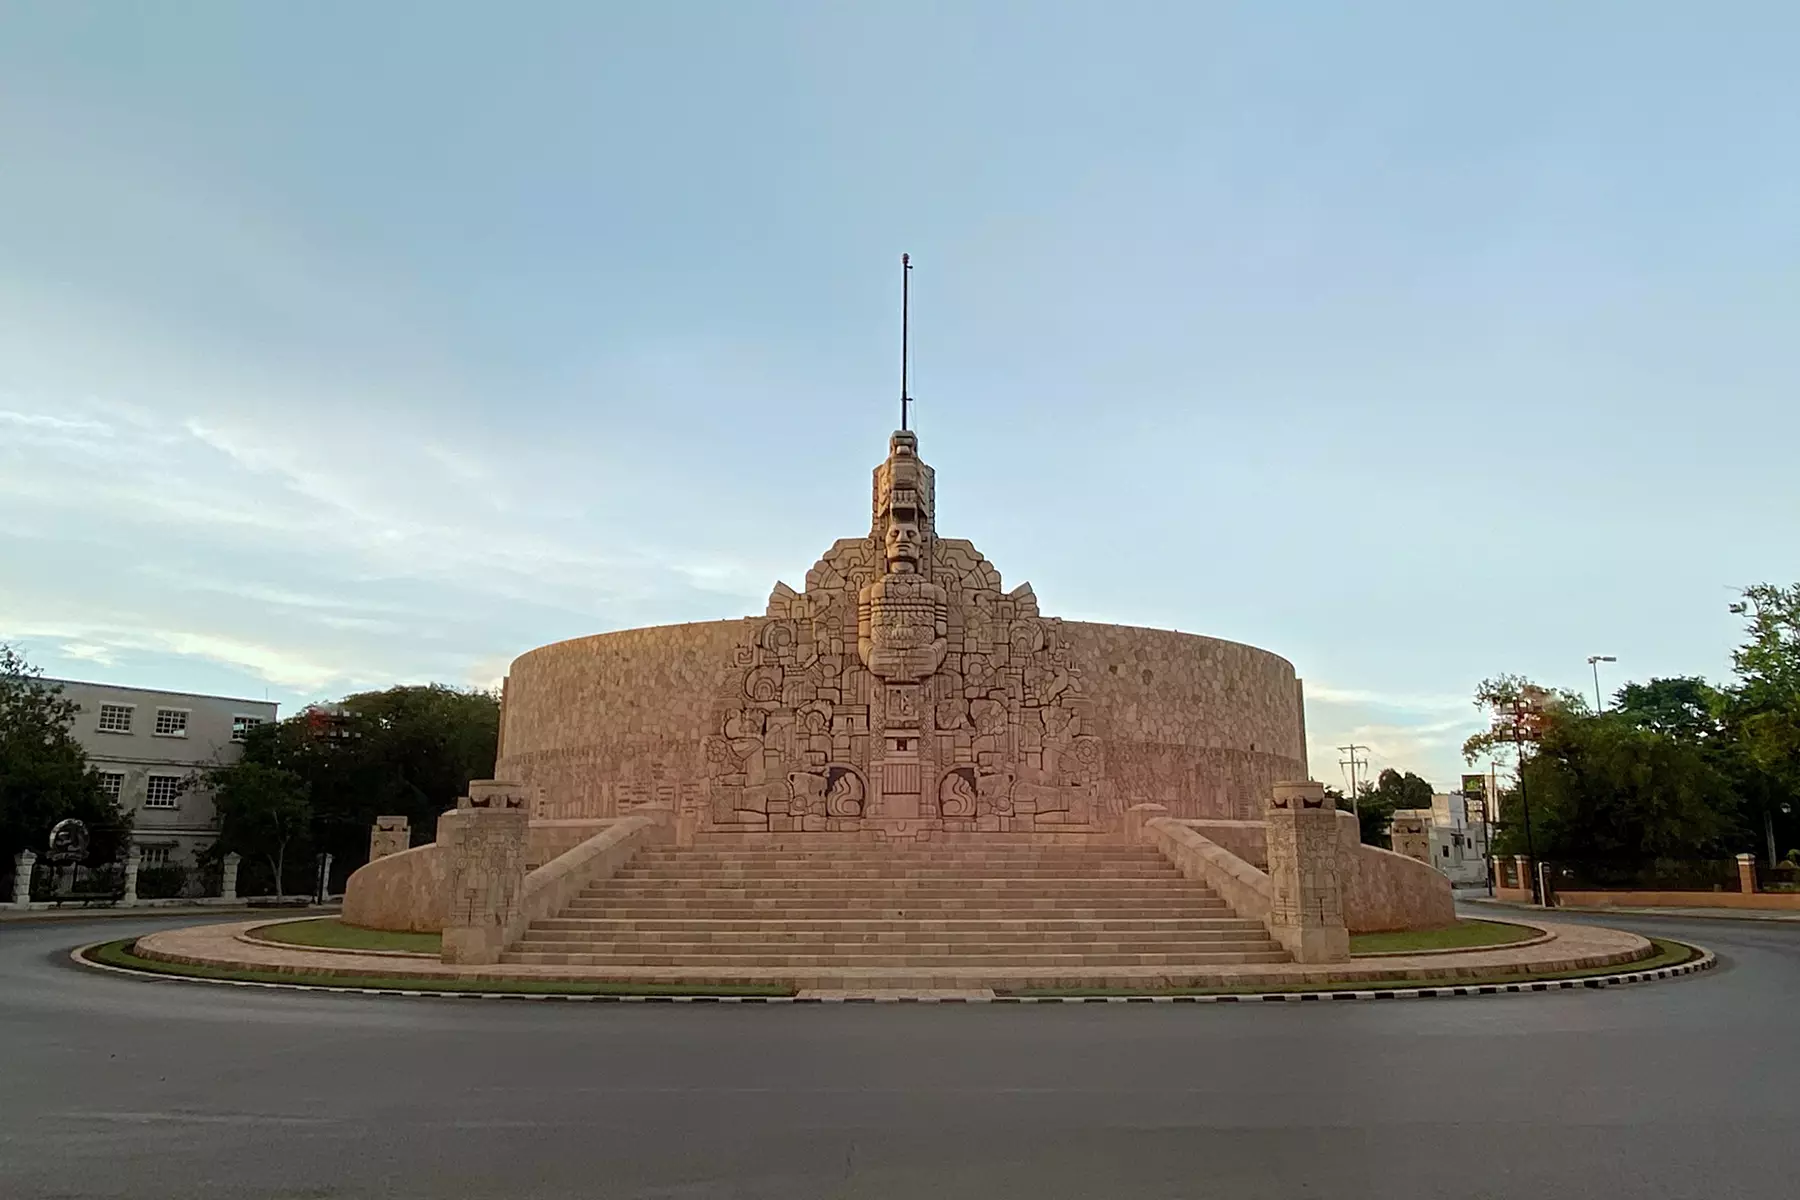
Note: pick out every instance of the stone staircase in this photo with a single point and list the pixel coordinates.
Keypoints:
(990, 912)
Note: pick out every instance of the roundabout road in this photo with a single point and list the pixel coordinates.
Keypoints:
(111, 1086)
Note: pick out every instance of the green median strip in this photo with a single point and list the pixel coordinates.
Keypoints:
(1464, 935)
(332, 933)
(1668, 954)
(121, 954)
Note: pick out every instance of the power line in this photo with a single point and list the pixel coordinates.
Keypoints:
(1352, 762)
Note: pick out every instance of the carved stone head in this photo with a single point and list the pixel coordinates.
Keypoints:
(902, 509)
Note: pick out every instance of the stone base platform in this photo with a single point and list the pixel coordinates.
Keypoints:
(1570, 948)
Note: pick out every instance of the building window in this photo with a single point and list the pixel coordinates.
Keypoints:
(162, 791)
(171, 722)
(112, 783)
(240, 726)
(153, 856)
(114, 718)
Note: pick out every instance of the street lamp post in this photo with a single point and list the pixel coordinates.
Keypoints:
(1594, 661)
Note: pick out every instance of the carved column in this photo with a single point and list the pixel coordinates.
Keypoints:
(134, 858)
(1306, 913)
(22, 866)
(389, 835)
(483, 842)
(228, 883)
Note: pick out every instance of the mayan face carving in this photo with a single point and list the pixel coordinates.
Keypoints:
(902, 617)
(957, 711)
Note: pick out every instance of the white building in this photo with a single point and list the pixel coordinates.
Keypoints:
(150, 748)
(1451, 835)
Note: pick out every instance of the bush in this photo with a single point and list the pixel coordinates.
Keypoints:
(161, 883)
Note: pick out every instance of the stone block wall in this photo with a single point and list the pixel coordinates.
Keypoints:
(905, 691)
(608, 724)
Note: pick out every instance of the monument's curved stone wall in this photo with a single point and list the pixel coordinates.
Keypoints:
(605, 724)
(904, 690)
(608, 723)
(1199, 724)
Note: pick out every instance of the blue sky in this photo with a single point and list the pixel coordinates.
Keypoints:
(348, 344)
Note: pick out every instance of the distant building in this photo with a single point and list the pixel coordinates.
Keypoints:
(150, 748)
(1450, 835)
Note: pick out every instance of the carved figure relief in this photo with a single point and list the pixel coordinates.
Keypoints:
(903, 689)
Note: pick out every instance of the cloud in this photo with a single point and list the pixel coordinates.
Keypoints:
(103, 645)
(1325, 693)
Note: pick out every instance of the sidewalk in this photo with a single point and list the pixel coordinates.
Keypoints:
(73, 913)
(1712, 914)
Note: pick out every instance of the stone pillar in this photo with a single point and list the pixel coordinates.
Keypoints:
(1746, 865)
(228, 887)
(1306, 913)
(1522, 872)
(389, 835)
(483, 842)
(22, 866)
(1137, 816)
(134, 858)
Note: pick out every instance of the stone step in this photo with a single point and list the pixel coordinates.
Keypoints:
(933, 943)
(918, 903)
(747, 839)
(1042, 927)
(774, 909)
(823, 871)
(850, 889)
(928, 854)
(1042, 958)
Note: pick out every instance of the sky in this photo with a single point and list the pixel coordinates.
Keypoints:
(344, 345)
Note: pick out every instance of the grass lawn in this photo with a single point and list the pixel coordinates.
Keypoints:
(1464, 935)
(119, 954)
(1667, 954)
(329, 931)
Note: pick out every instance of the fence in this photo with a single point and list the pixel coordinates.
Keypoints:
(1661, 875)
(1782, 878)
(77, 885)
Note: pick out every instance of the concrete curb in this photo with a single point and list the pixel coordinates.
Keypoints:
(1705, 962)
(249, 938)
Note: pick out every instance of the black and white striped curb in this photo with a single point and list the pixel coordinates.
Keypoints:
(1705, 962)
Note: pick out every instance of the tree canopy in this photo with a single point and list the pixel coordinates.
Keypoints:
(44, 773)
(1377, 803)
(1676, 768)
(407, 751)
(262, 811)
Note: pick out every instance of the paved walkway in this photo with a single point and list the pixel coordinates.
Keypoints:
(1533, 912)
(76, 913)
(1573, 947)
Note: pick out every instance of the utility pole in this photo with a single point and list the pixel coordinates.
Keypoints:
(1594, 661)
(1518, 724)
(1353, 763)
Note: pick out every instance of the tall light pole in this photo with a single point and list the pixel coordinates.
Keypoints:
(1594, 661)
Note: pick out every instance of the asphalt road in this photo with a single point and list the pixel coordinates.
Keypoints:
(115, 1087)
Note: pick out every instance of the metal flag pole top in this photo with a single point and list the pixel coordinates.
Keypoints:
(905, 323)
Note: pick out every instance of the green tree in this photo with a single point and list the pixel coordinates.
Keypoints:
(1376, 805)
(44, 773)
(1762, 712)
(1685, 707)
(262, 811)
(1635, 784)
(406, 751)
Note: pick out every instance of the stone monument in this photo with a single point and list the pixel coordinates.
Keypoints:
(389, 835)
(483, 841)
(1306, 910)
(904, 693)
